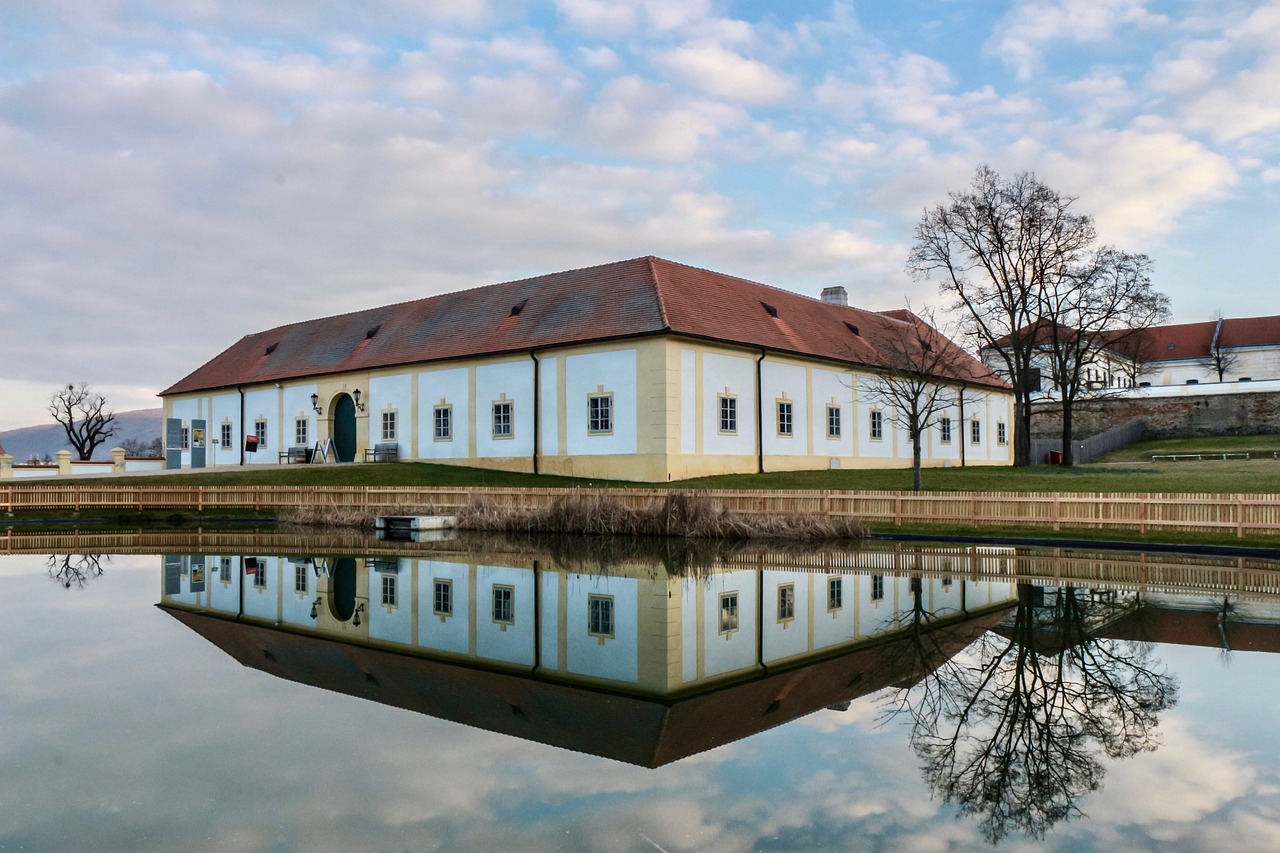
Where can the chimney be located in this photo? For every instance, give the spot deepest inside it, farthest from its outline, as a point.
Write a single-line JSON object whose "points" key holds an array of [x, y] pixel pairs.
{"points": [[835, 296]]}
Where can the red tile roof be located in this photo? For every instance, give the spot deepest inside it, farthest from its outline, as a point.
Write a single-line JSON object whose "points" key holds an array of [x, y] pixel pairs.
{"points": [[633, 298], [1250, 332], [1184, 340]]}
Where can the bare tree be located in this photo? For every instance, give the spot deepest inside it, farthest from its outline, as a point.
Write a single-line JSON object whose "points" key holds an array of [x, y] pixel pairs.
{"points": [[1089, 316], [911, 388], [1015, 735], [139, 449], [75, 569], [995, 247], [84, 416], [1220, 358]]}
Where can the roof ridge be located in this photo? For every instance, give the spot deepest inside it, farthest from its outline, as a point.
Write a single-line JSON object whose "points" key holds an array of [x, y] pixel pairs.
{"points": [[657, 290]]}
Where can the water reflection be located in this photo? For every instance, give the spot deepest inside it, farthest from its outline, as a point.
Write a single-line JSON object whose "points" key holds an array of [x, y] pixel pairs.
{"points": [[636, 664], [1015, 730]]}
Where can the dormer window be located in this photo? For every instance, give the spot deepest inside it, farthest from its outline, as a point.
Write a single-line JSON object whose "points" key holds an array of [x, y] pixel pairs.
{"points": [[773, 312]]}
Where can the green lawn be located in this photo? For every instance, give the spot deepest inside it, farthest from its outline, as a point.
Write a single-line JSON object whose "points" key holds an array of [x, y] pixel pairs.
{"points": [[1142, 451], [1185, 477]]}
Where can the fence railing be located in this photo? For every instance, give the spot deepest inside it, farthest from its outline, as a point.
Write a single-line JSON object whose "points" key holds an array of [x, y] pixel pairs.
{"points": [[1089, 449], [1238, 514]]}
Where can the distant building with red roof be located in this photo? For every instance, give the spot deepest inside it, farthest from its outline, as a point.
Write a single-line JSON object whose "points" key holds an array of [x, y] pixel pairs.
{"points": [[642, 369]]}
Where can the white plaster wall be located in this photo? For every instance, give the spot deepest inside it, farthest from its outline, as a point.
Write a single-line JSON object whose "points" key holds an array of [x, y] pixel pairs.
{"points": [[876, 617], [445, 633], [510, 643], [737, 374], [296, 402], [789, 381], [224, 597], [395, 624], [549, 638], [616, 658], [223, 407], [392, 392], [867, 447], [614, 372], [737, 649], [295, 607], [261, 601], [690, 587], [689, 423], [832, 388], [785, 639], [950, 450], [264, 403], [515, 380], [549, 434], [453, 387], [831, 627]]}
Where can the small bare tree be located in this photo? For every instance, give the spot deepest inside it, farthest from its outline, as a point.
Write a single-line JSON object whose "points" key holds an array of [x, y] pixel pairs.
{"points": [[1220, 358], [912, 388], [84, 416]]}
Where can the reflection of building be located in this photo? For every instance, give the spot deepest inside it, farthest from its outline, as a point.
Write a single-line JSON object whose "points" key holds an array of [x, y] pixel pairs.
{"points": [[642, 369], [637, 665]]}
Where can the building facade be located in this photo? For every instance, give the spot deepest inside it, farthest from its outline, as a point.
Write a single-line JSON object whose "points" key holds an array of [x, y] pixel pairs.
{"points": [[643, 370]]}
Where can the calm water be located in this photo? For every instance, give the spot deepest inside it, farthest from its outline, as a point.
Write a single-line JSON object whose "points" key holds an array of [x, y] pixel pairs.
{"points": [[412, 698]]}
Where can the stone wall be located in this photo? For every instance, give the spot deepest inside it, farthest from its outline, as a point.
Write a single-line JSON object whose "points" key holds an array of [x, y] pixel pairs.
{"points": [[1167, 417]]}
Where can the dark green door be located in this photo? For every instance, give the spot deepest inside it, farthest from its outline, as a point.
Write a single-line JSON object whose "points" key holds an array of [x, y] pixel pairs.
{"points": [[342, 596], [344, 428]]}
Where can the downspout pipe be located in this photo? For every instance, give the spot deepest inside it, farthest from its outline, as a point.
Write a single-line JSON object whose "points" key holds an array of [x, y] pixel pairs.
{"points": [[964, 426], [760, 414], [240, 389], [537, 414]]}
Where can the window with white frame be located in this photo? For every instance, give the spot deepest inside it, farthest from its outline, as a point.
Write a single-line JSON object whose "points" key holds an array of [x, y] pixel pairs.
{"points": [[975, 431], [833, 421], [786, 424], [442, 416], [260, 431], [786, 602], [226, 435], [186, 437], [877, 587], [1002, 433], [300, 579], [260, 575], [504, 605], [728, 414], [300, 432], [600, 414], [390, 591], [600, 615], [224, 570], [944, 427], [389, 432], [728, 612], [877, 425], [835, 594], [442, 597], [502, 419]]}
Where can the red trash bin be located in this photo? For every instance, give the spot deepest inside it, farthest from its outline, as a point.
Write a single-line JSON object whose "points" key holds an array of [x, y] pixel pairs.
{"points": [[1055, 457]]}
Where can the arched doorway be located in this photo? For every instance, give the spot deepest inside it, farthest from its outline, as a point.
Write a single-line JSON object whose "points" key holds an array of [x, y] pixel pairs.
{"points": [[344, 428], [342, 590]]}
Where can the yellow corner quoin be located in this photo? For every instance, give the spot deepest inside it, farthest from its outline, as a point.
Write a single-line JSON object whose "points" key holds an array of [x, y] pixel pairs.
{"points": [[614, 371]]}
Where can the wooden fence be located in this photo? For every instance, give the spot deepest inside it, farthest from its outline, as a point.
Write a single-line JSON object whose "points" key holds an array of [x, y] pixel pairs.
{"points": [[1238, 514]]}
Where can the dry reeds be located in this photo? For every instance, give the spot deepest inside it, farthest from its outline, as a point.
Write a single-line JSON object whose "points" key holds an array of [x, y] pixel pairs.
{"points": [[343, 517], [689, 515]]}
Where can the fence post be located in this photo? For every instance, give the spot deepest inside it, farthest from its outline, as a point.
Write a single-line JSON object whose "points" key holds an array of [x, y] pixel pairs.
{"points": [[1239, 516], [897, 509], [973, 508]]}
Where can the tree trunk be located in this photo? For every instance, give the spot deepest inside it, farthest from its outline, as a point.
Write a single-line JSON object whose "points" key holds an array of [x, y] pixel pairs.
{"points": [[1068, 454], [915, 462], [1021, 432]]}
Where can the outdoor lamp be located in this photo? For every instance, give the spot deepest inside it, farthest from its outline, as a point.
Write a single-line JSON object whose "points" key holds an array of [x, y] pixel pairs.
{"points": [[356, 620], [359, 405], [315, 402], [315, 607]]}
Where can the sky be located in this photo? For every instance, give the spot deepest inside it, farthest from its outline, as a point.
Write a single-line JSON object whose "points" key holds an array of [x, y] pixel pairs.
{"points": [[176, 175]]}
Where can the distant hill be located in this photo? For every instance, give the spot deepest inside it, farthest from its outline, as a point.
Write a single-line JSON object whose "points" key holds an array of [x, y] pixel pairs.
{"points": [[25, 442]]}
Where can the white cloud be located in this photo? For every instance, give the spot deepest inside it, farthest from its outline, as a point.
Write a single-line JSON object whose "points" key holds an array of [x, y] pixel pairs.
{"points": [[726, 74], [1032, 25]]}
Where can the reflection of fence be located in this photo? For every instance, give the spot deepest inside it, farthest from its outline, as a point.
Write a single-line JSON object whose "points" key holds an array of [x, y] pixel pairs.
{"points": [[1242, 515]]}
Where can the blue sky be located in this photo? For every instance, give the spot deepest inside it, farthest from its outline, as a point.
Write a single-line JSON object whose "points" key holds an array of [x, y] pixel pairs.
{"points": [[174, 176]]}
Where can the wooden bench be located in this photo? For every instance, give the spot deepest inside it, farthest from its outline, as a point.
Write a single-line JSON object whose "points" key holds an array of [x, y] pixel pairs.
{"points": [[383, 453], [293, 454]]}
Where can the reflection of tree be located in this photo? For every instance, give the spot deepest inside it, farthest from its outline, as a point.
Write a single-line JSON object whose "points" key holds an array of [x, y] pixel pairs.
{"points": [[1015, 729], [77, 569]]}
